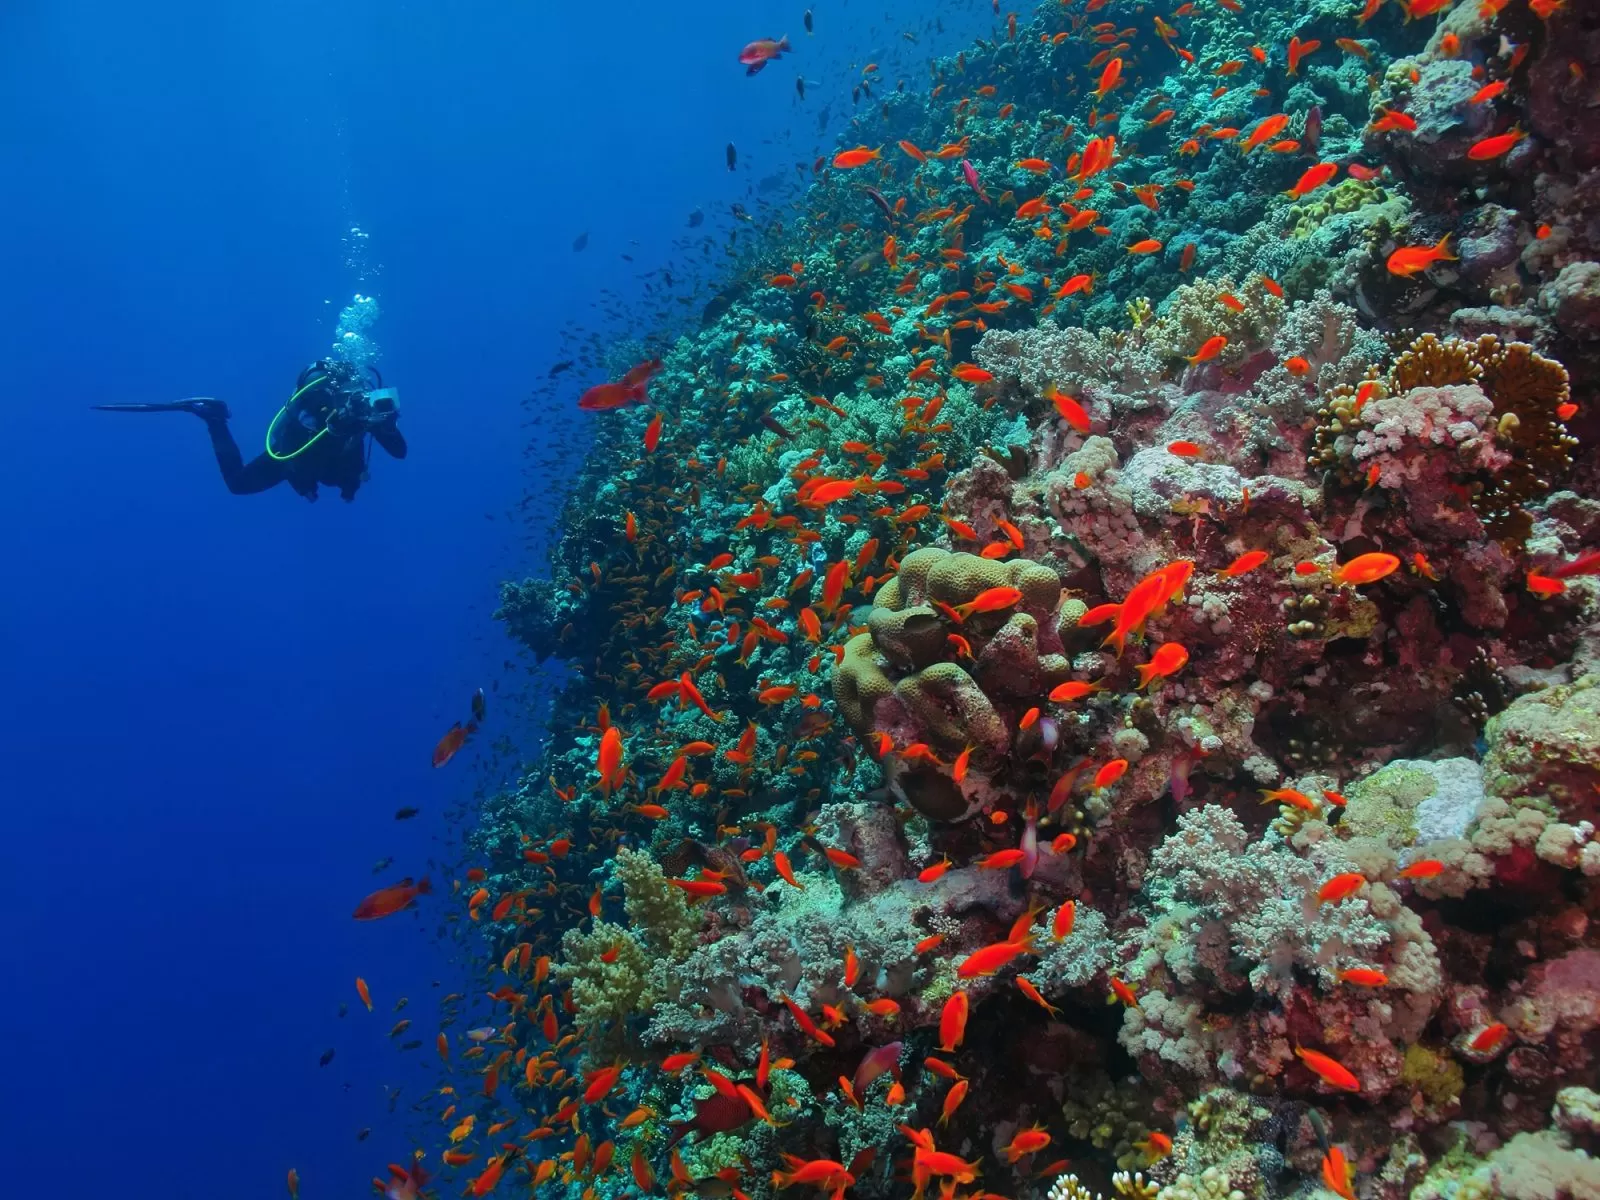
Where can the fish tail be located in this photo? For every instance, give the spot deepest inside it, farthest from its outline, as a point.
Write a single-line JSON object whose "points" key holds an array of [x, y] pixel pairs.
{"points": [[1440, 250], [423, 886], [1119, 637]]}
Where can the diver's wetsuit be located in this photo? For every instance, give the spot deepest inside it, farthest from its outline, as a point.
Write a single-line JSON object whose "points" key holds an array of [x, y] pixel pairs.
{"points": [[336, 460]]}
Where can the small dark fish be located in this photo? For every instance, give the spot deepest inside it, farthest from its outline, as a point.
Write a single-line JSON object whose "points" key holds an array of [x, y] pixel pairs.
{"points": [[581, 242], [696, 218], [882, 203], [383, 864], [733, 156], [772, 423], [327, 1057], [740, 213], [1319, 1126], [808, 20], [564, 365], [478, 705], [800, 85], [409, 1045], [363, 1135], [1312, 133], [405, 814], [865, 263], [343, 1009]]}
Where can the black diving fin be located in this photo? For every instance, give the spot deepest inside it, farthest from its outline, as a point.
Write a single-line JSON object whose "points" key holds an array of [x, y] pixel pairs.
{"points": [[200, 406]]}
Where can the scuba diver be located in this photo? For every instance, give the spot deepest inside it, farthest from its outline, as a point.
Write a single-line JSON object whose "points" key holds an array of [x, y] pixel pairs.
{"points": [[318, 437]]}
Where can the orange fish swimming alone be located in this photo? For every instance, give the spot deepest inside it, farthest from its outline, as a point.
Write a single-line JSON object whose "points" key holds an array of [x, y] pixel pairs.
{"points": [[1412, 260], [385, 902], [1494, 147], [1209, 349], [859, 157]]}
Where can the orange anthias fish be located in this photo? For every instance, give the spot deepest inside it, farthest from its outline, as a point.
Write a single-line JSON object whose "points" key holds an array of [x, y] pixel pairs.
{"points": [[1366, 568], [1245, 563], [1423, 868], [1265, 130], [1364, 977], [1330, 1070], [1209, 349], [1073, 413], [1169, 658], [859, 157], [1027, 1141], [1109, 774], [989, 600], [1412, 260], [387, 901], [1338, 1174], [1494, 147], [1110, 79], [953, 1022], [1298, 51], [1313, 178], [1341, 886], [1131, 614], [990, 959]]}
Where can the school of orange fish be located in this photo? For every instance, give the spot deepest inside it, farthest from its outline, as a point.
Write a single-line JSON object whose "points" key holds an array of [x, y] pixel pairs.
{"points": [[708, 603]]}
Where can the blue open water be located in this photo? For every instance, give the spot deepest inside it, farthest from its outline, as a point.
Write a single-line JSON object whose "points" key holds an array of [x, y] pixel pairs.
{"points": [[213, 704]]}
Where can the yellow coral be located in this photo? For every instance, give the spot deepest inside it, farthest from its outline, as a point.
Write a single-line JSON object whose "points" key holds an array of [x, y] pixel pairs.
{"points": [[1430, 362], [658, 911], [1197, 311]]}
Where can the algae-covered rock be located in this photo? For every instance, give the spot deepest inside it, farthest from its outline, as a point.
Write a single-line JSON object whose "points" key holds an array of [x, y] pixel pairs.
{"points": [[1544, 750], [1412, 801], [1434, 1075]]}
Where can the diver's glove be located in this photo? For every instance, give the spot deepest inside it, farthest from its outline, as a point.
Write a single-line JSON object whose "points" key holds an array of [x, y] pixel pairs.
{"points": [[354, 417]]}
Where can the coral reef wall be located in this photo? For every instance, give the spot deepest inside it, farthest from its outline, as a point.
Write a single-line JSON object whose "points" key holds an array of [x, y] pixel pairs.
{"points": [[1093, 656]]}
